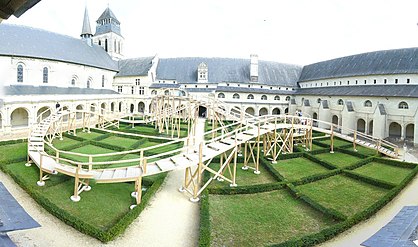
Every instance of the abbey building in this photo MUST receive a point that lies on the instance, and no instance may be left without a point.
(375, 92)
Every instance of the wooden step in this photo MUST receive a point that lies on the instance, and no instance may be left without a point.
(107, 174)
(181, 161)
(166, 164)
(119, 173)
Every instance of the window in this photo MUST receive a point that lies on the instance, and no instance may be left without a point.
(385, 81)
(318, 100)
(263, 97)
(277, 97)
(374, 81)
(154, 92)
(288, 98)
(250, 96)
(88, 83)
(73, 82)
(348, 82)
(271, 88)
(340, 102)
(407, 81)
(235, 96)
(132, 90)
(103, 81)
(20, 73)
(249, 85)
(403, 105)
(368, 103)
(396, 81)
(221, 96)
(141, 90)
(365, 81)
(119, 89)
(45, 75)
(356, 82)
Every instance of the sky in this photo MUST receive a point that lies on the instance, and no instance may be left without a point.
(289, 31)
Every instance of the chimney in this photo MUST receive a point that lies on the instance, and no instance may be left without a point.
(254, 68)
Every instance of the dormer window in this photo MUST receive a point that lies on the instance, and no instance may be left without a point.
(202, 73)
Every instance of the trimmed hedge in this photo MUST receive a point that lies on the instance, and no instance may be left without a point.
(313, 178)
(320, 161)
(204, 225)
(360, 163)
(248, 189)
(351, 152)
(369, 180)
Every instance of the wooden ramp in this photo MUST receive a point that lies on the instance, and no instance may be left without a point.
(280, 131)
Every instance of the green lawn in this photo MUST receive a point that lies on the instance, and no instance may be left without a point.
(338, 159)
(65, 142)
(88, 136)
(243, 177)
(91, 149)
(365, 151)
(120, 141)
(13, 151)
(346, 195)
(388, 173)
(261, 219)
(337, 142)
(297, 168)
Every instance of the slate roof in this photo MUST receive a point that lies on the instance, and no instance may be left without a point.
(33, 90)
(164, 85)
(252, 90)
(398, 61)
(408, 91)
(135, 67)
(36, 43)
(86, 29)
(184, 70)
(112, 26)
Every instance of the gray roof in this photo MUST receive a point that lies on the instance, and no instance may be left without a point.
(86, 24)
(399, 61)
(113, 24)
(200, 90)
(252, 90)
(409, 91)
(164, 85)
(135, 67)
(184, 70)
(33, 90)
(36, 43)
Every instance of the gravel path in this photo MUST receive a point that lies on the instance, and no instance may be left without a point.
(170, 219)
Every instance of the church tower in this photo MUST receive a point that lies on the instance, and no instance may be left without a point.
(108, 34)
(86, 33)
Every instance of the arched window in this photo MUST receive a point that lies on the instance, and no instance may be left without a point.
(368, 103)
(318, 100)
(88, 83)
(340, 102)
(20, 73)
(100, 42)
(250, 96)
(221, 96)
(235, 96)
(288, 98)
(403, 105)
(154, 92)
(73, 82)
(103, 80)
(263, 97)
(45, 75)
(106, 45)
(277, 97)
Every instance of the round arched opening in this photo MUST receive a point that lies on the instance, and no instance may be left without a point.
(361, 125)
(19, 118)
(276, 111)
(250, 111)
(43, 113)
(263, 111)
(409, 132)
(395, 130)
(141, 107)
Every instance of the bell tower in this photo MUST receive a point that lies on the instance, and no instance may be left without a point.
(108, 34)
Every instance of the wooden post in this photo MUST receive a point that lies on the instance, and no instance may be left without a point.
(274, 141)
(57, 156)
(76, 197)
(138, 189)
(90, 162)
(354, 141)
(41, 182)
(258, 150)
(332, 139)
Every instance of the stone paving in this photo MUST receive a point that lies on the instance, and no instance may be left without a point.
(398, 231)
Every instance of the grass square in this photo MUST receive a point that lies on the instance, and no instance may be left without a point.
(261, 219)
(337, 142)
(388, 173)
(13, 151)
(120, 141)
(297, 168)
(65, 142)
(243, 177)
(365, 151)
(91, 149)
(340, 160)
(88, 136)
(346, 195)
